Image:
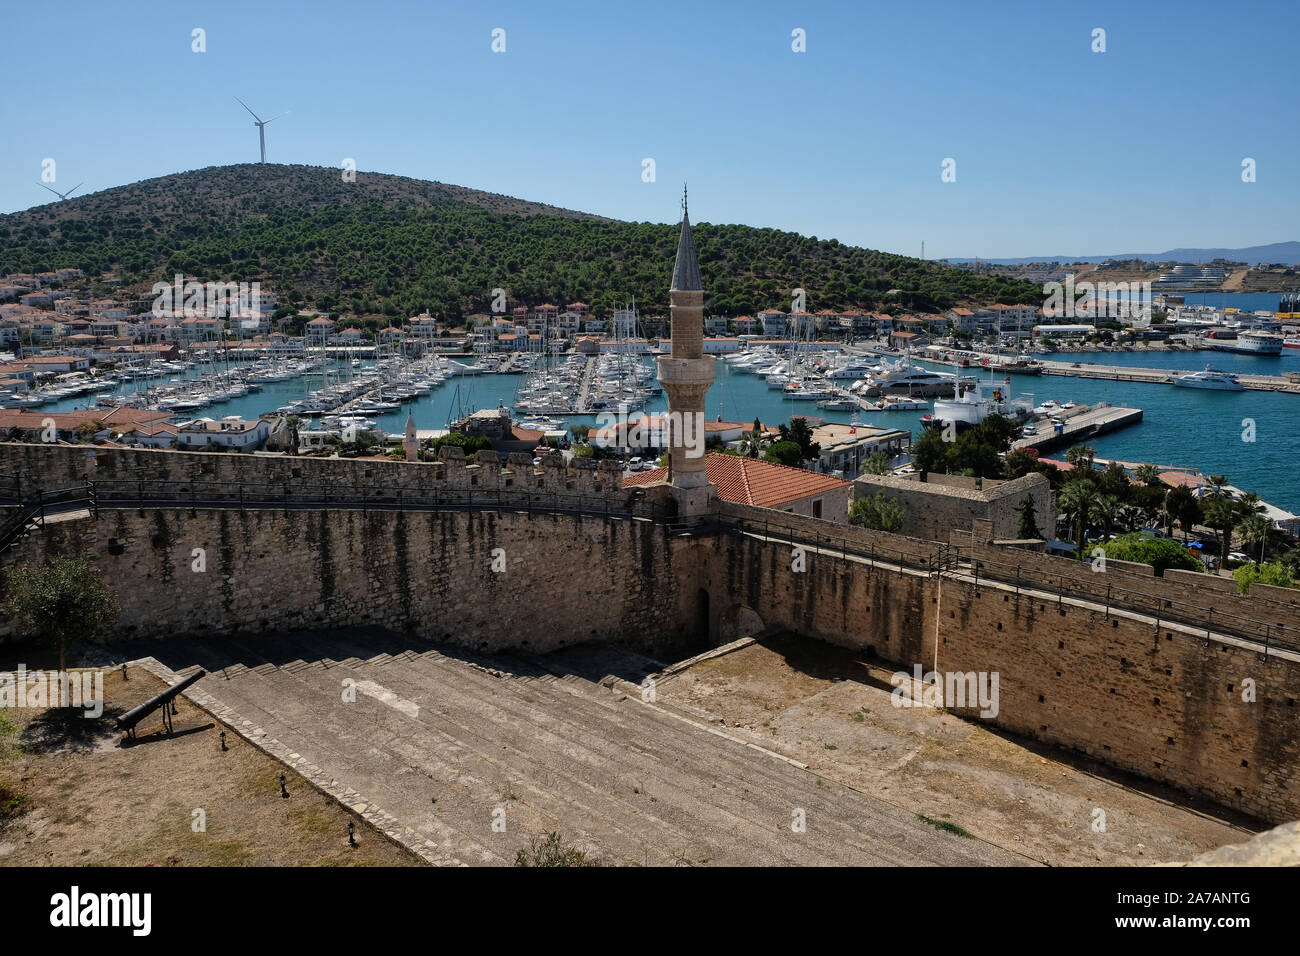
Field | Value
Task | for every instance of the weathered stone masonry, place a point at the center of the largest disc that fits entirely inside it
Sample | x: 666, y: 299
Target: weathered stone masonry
x: 1164, y: 704
x: 567, y: 578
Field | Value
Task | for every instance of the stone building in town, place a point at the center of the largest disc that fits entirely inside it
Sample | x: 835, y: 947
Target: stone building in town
x: 941, y: 504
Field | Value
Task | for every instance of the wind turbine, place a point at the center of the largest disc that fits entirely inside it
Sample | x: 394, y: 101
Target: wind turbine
x: 261, y: 125
x: 63, y: 196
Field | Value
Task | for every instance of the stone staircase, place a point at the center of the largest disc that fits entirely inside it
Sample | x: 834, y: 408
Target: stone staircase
x: 443, y: 740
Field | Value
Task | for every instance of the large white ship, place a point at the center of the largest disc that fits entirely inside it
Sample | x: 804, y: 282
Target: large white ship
x: 1249, y: 342
x: 968, y: 409
x: 1210, y: 378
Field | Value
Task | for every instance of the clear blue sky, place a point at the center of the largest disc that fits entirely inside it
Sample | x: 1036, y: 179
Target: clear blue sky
x: 1059, y: 150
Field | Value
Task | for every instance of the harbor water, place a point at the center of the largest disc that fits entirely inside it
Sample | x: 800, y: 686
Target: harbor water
x: 1182, y: 427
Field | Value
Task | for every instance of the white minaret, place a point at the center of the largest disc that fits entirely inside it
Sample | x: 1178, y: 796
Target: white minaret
x: 686, y: 375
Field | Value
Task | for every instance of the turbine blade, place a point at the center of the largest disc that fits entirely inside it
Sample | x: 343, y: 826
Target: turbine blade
x: 285, y: 113
x: 245, y: 106
x: 55, y: 191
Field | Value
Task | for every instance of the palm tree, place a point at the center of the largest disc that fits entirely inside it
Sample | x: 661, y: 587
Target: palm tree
x: 1129, y: 517
x: 1255, y: 529
x: 1080, y: 456
x: 877, y: 463
x: 1250, y: 504
x: 1106, y: 507
x: 1076, y: 499
x: 751, y: 442
x: 1147, y: 474
x: 1221, y: 515
x: 1182, y: 504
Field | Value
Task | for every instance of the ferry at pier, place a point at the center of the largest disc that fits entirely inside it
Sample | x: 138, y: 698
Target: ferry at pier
x: 1251, y: 343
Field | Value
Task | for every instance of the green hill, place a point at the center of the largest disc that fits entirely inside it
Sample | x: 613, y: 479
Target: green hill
x: 397, y: 246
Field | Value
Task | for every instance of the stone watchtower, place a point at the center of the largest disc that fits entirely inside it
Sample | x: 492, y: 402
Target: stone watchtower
x: 411, y: 444
x: 686, y: 375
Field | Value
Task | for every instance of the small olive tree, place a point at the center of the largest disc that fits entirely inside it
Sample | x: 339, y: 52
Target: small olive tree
x: 64, y: 599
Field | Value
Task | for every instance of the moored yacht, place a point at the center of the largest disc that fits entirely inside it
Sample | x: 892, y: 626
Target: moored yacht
x: 1210, y: 378
x: 899, y: 403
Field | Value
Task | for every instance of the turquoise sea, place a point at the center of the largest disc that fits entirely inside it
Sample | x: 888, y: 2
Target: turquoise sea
x: 1180, y: 426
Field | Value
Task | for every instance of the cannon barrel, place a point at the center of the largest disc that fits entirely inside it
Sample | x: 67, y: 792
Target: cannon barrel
x: 137, y: 714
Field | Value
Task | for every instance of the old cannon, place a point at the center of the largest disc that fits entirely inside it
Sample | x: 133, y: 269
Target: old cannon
x: 133, y: 716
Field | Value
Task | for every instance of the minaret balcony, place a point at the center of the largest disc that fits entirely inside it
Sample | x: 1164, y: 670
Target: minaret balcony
x: 695, y: 371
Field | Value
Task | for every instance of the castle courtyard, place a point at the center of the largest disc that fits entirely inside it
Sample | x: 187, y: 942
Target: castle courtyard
x: 784, y: 751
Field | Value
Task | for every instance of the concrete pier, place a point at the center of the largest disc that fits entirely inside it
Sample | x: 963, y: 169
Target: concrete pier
x: 1081, y: 424
x: 1162, y: 376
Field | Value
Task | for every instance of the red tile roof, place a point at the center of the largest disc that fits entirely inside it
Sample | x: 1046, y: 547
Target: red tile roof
x: 51, y: 359
x: 158, y: 428
x: 10, y: 418
x: 750, y: 481
x: 124, y: 414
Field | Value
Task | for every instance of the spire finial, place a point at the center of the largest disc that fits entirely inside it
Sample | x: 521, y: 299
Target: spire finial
x: 684, y: 211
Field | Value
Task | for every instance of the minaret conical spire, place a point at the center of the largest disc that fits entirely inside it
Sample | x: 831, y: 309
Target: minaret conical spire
x: 686, y: 270
x: 686, y: 374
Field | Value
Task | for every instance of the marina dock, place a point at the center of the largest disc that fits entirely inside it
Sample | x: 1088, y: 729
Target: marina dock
x: 1162, y: 376
x: 1081, y: 424
x: 973, y: 361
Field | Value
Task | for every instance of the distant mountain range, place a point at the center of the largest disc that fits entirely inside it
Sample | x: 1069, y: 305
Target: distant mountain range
x: 1283, y: 252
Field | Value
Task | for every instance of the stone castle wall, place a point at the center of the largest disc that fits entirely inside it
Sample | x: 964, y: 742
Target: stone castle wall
x: 52, y: 466
x: 1167, y: 706
x: 815, y: 593
x: 566, y: 578
x: 1164, y: 704
x: 1271, y: 606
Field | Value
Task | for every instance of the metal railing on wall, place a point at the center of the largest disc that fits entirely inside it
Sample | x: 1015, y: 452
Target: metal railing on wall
x: 955, y: 560
x: 1095, y: 588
